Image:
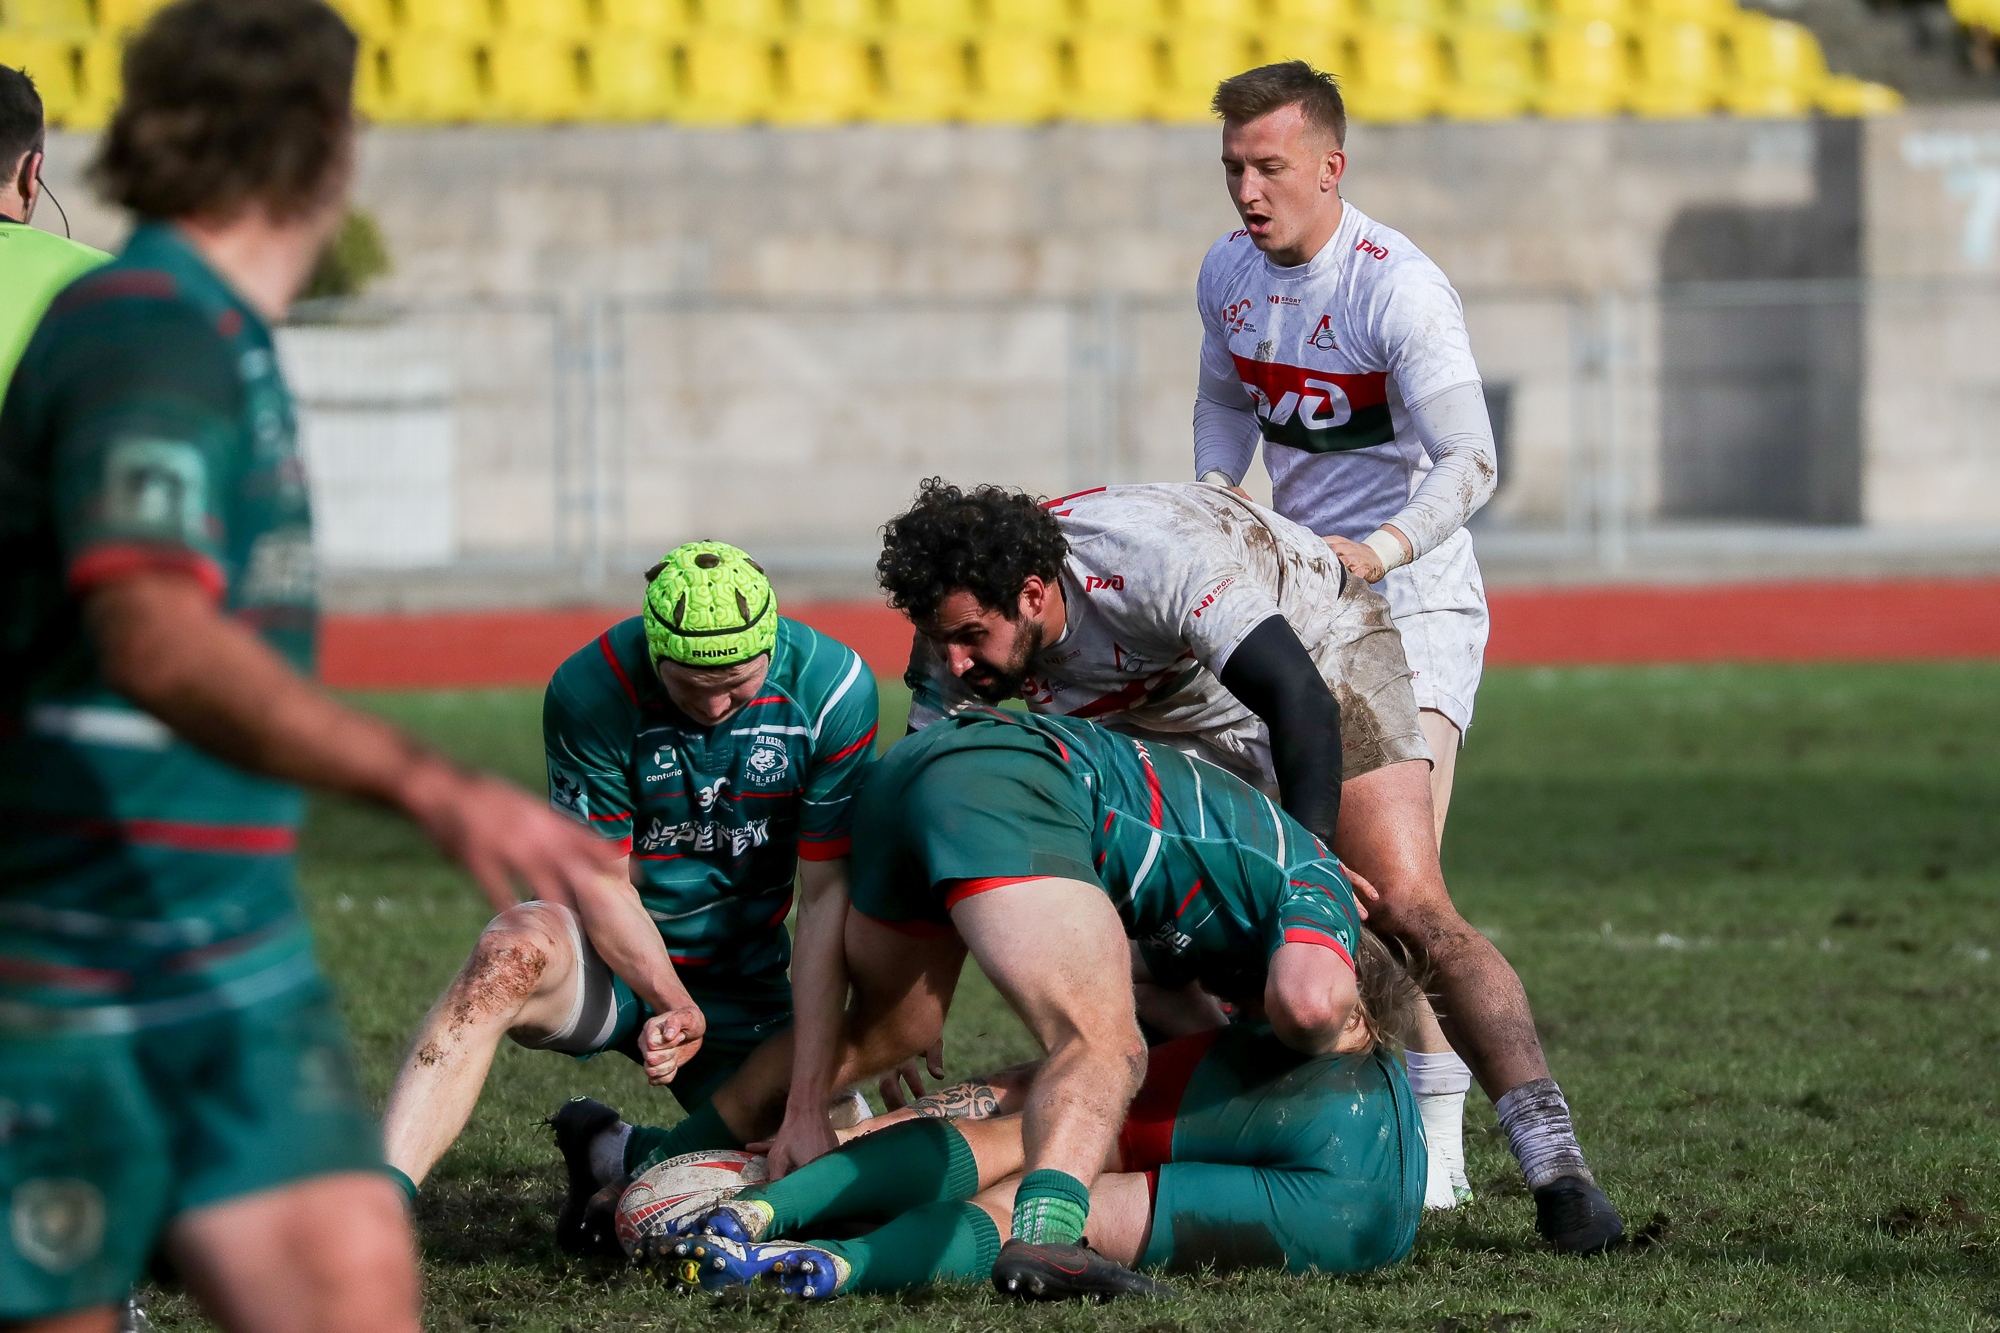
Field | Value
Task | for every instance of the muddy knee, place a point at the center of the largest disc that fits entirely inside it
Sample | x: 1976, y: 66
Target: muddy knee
x: 506, y: 969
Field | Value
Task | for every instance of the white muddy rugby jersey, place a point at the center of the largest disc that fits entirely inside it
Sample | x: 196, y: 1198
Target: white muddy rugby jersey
x: 1162, y: 582
x: 1328, y: 355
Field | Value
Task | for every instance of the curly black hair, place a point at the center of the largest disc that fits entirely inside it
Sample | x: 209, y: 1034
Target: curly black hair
x: 987, y: 540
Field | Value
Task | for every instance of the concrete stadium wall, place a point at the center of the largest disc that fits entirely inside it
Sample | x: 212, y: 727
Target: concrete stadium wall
x: 813, y: 319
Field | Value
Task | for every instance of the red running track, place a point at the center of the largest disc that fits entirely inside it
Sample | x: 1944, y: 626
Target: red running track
x: 1774, y: 622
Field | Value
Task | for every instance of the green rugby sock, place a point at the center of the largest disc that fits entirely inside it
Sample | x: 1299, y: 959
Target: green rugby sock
x: 703, y: 1131
x: 1050, y: 1208
x: 940, y: 1242
x: 877, y: 1175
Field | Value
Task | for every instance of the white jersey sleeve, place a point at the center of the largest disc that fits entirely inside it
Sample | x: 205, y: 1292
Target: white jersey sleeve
x: 1225, y: 419
x: 1455, y: 431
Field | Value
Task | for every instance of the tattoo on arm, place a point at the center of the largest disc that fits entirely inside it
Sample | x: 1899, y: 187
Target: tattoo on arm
x: 974, y: 1099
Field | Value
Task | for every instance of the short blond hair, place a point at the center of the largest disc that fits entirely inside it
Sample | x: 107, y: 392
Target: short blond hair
x: 1259, y: 92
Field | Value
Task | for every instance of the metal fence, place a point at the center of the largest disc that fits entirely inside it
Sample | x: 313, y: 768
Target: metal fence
x: 576, y: 441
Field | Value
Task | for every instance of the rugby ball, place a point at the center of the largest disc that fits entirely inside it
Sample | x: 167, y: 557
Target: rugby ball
x: 683, y: 1187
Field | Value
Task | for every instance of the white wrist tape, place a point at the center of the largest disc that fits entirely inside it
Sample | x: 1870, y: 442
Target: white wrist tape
x: 1387, y: 545
x: 1218, y: 478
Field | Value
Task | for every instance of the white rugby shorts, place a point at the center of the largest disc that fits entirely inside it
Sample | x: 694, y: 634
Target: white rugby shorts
x: 1439, y: 605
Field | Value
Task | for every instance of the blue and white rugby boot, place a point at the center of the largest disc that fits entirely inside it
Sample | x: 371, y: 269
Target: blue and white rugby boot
x: 745, y: 1221
x: 716, y: 1263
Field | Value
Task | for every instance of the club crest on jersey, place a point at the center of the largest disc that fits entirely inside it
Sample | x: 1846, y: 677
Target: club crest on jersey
x: 566, y: 793
x: 767, y: 762
x: 1322, y: 337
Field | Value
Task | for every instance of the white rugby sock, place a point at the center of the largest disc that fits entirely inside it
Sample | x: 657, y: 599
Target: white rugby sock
x: 1538, y: 1127
x: 607, y: 1153
x: 1440, y: 1079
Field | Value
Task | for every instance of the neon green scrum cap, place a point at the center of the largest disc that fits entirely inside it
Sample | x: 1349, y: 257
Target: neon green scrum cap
x: 709, y: 605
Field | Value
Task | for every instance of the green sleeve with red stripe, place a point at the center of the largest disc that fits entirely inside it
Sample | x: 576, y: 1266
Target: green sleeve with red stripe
x: 148, y: 446
x: 589, y: 768
x: 842, y: 748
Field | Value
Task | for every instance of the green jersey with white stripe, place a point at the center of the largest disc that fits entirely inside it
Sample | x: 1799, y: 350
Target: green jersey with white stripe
x: 1205, y: 871
x: 143, y: 881
x: 717, y: 818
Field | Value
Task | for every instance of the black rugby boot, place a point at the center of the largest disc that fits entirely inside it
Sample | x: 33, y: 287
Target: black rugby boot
x: 587, y: 1224
x: 1575, y: 1217
x: 1068, y: 1272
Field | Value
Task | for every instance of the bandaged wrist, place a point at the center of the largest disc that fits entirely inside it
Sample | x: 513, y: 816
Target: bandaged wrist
x: 1387, y: 545
x: 1215, y: 477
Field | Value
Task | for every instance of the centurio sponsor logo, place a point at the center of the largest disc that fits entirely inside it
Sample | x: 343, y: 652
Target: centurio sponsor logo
x: 1317, y: 410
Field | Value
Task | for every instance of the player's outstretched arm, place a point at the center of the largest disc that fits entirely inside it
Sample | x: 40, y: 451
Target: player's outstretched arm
x: 165, y: 645
x: 819, y: 1008
x: 1276, y: 678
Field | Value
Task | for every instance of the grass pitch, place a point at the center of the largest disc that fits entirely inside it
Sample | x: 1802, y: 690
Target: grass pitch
x: 1755, y: 911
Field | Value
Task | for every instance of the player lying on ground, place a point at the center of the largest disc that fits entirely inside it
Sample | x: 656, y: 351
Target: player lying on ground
x: 1237, y: 1152
x: 716, y: 746
x: 1188, y: 614
x: 1042, y: 845
x: 174, y: 1075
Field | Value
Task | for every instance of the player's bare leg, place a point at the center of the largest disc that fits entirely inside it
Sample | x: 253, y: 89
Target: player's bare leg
x: 327, y: 1255
x: 1387, y: 832
x: 1444, y: 738
x: 520, y: 978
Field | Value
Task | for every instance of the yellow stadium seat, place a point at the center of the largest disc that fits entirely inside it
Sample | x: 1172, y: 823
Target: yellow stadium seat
x: 50, y: 18
x: 726, y: 78
x: 1512, y: 15
x: 923, y: 77
x: 126, y: 15
x: 1117, y: 75
x: 653, y: 18
x: 855, y: 18
x: 1238, y: 15
x: 1587, y: 70
x: 1680, y: 70
x: 432, y: 79
x: 945, y: 18
x: 825, y: 79
x: 1408, y: 13
x: 631, y: 78
x: 100, y: 83
x: 1779, y: 68
x: 1618, y: 13
x: 547, y: 18
x: 538, y: 78
x: 1323, y: 48
x: 1710, y: 13
x: 49, y: 61
x: 463, y: 19
x: 1197, y: 60
x: 372, y: 19
x: 1137, y: 15
x: 1035, y: 18
x: 1399, y: 74
x: 1494, y: 74
x: 1845, y: 95
x: 1017, y: 79
x: 1314, y: 15
x: 371, y: 82
x: 756, y: 18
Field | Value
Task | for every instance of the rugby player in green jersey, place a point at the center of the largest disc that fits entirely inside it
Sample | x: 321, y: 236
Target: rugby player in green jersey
x: 987, y: 828
x: 716, y: 746
x: 173, y: 1075
x: 1237, y: 1152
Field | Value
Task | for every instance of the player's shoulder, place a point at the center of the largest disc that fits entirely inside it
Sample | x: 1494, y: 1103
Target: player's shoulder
x: 1231, y: 253
x: 1383, y: 255
x: 815, y: 668
x: 599, y: 682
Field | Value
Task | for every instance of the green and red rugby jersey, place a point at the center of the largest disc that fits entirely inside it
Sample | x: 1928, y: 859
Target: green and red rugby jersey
x: 1207, y: 874
x: 716, y: 819
x: 147, y: 427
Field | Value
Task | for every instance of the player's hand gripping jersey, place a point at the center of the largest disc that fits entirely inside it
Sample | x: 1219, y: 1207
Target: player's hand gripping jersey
x: 1161, y: 584
x: 715, y: 819
x: 1324, y: 362
x: 1207, y: 874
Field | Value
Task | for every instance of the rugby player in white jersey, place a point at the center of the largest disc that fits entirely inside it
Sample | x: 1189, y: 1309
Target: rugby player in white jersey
x: 1189, y: 615
x: 1343, y: 348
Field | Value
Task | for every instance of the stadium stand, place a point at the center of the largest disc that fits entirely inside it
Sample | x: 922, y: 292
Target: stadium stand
x: 825, y: 62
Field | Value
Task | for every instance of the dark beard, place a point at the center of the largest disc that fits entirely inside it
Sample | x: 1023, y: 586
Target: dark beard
x: 1000, y: 686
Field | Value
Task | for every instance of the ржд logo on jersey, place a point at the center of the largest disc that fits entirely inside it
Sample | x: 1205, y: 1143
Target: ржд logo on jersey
x: 1319, y: 411
x: 1374, y: 251
x: 1112, y: 583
